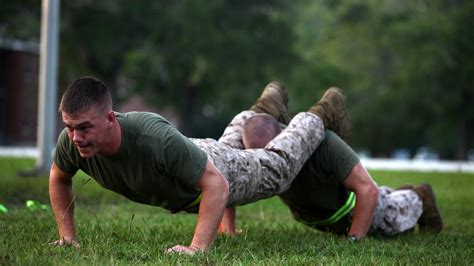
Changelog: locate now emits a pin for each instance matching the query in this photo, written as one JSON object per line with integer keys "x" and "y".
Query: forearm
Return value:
{"x": 363, "y": 212}
{"x": 211, "y": 211}
{"x": 61, "y": 197}
{"x": 366, "y": 192}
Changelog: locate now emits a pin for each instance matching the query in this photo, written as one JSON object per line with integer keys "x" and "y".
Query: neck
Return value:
{"x": 115, "y": 140}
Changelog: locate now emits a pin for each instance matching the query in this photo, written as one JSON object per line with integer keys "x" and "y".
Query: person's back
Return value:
{"x": 323, "y": 194}
{"x": 144, "y": 169}
{"x": 318, "y": 191}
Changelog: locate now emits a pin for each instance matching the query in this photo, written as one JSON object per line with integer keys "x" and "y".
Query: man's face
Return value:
{"x": 88, "y": 130}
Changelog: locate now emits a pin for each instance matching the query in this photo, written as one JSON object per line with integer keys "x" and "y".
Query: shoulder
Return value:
{"x": 63, "y": 140}
{"x": 140, "y": 117}
{"x": 331, "y": 136}
{"x": 143, "y": 122}
{"x": 334, "y": 151}
{"x": 333, "y": 141}
{"x": 148, "y": 132}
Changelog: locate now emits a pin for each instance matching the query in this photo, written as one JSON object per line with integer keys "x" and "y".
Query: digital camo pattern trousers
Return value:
{"x": 256, "y": 174}
{"x": 397, "y": 211}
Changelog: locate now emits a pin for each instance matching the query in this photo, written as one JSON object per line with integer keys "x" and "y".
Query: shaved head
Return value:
{"x": 83, "y": 94}
{"x": 259, "y": 130}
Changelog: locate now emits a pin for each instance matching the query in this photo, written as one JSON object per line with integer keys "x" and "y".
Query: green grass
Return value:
{"x": 113, "y": 230}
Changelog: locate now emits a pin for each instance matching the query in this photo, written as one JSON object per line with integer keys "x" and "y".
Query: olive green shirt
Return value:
{"x": 318, "y": 191}
{"x": 155, "y": 165}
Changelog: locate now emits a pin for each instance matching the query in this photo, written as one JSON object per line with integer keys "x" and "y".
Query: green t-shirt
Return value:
{"x": 155, "y": 165}
{"x": 317, "y": 191}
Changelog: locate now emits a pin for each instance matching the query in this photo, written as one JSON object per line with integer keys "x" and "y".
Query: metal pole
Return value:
{"x": 47, "y": 83}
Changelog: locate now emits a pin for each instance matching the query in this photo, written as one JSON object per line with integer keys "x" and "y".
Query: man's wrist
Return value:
{"x": 67, "y": 238}
{"x": 196, "y": 248}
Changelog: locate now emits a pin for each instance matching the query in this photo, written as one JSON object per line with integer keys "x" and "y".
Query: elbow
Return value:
{"x": 369, "y": 192}
{"x": 373, "y": 192}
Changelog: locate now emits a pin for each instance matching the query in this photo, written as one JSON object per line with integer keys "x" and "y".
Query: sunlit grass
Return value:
{"x": 113, "y": 230}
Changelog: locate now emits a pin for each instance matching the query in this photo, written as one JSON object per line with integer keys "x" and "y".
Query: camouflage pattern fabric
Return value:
{"x": 232, "y": 135}
{"x": 256, "y": 174}
{"x": 397, "y": 211}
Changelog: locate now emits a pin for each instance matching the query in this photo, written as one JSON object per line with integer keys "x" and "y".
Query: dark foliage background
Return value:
{"x": 406, "y": 66}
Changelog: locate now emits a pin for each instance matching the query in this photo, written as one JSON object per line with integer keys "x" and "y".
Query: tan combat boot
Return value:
{"x": 405, "y": 187}
{"x": 331, "y": 108}
{"x": 430, "y": 219}
{"x": 273, "y": 101}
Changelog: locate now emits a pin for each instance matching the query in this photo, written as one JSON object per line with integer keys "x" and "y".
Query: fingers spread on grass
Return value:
{"x": 67, "y": 243}
{"x": 181, "y": 250}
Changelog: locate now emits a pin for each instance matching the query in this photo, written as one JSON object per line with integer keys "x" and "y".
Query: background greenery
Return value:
{"x": 407, "y": 66}
{"x": 113, "y": 230}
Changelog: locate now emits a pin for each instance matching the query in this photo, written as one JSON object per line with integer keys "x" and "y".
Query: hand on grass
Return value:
{"x": 183, "y": 250}
{"x": 70, "y": 242}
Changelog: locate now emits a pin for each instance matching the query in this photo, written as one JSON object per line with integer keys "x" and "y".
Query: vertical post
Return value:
{"x": 47, "y": 83}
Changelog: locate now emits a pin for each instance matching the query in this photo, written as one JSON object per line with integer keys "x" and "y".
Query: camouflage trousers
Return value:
{"x": 256, "y": 174}
{"x": 396, "y": 212}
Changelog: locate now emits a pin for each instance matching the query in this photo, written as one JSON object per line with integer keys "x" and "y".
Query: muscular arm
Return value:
{"x": 61, "y": 196}
{"x": 215, "y": 191}
{"x": 366, "y": 191}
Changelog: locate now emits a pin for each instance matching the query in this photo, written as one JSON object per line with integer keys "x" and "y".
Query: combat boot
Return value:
{"x": 405, "y": 187}
{"x": 430, "y": 219}
{"x": 273, "y": 101}
{"x": 331, "y": 108}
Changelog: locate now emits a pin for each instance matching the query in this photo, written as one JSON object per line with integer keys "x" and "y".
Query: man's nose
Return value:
{"x": 77, "y": 136}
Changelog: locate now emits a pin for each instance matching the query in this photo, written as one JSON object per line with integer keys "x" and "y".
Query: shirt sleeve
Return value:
{"x": 339, "y": 156}
{"x": 63, "y": 154}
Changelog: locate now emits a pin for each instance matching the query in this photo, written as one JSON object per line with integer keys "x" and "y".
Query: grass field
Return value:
{"x": 113, "y": 230}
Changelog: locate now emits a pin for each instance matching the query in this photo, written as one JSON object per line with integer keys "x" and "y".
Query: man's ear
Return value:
{"x": 111, "y": 118}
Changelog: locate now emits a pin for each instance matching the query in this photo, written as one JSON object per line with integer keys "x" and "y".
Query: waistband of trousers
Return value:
{"x": 341, "y": 212}
{"x": 195, "y": 202}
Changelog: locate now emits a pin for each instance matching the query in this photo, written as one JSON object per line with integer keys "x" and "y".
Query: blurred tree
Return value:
{"x": 183, "y": 54}
{"x": 20, "y": 20}
{"x": 435, "y": 75}
{"x": 406, "y": 65}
